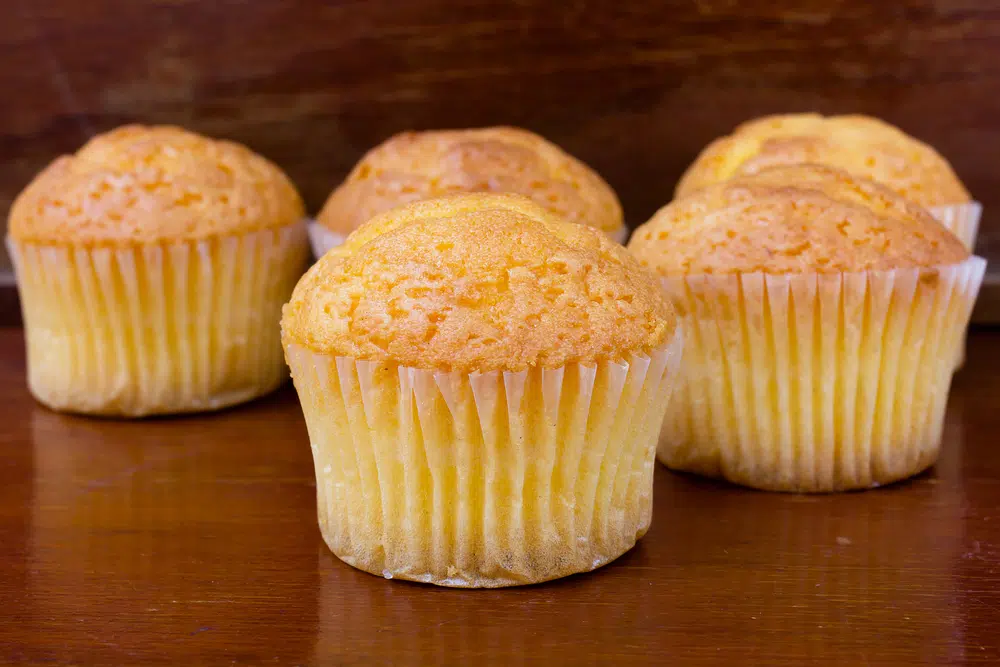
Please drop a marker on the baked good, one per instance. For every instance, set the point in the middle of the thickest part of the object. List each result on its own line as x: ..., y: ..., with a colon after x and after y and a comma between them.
x: 422, y: 165
x: 483, y: 383
x: 152, y: 266
x: 862, y: 145
x: 821, y: 314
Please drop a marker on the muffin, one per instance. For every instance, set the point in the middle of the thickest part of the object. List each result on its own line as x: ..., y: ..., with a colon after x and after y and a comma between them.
x: 862, y: 145
x: 422, y: 165
x: 483, y: 383
x: 821, y: 312
x: 152, y: 266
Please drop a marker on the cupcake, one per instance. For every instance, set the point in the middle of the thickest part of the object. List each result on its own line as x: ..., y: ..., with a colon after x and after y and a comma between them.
x: 152, y: 266
x: 862, y: 145
x: 821, y: 312
x: 422, y: 165
x: 483, y: 383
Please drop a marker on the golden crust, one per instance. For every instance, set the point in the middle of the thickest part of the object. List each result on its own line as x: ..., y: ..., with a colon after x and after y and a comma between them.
x: 140, y: 184
x: 859, y: 144
x: 477, y: 282
x: 794, y: 219
x: 421, y: 165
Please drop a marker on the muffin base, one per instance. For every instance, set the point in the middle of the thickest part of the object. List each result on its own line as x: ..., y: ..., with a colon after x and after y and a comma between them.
x: 482, y: 480
x: 157, y: 329
x: 963, y: 221
x: 813, y: 383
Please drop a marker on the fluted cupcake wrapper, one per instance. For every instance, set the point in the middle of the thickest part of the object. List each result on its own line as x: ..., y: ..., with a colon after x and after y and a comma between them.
x: 815, y: 382
x: 619, y: 235
x: 322, y: 239
x: 963, y: 221
x: 483, y: 479
x: 157, y: 328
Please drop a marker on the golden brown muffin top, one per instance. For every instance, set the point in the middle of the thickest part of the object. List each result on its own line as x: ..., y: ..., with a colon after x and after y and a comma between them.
x: 793, y: 219
x: 477, y: 282
x: 859, y: 144
x: 139, y: 184
x: 421, y: 165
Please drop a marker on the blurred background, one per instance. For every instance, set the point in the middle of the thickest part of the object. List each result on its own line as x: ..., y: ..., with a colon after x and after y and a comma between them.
x: 635, y: 89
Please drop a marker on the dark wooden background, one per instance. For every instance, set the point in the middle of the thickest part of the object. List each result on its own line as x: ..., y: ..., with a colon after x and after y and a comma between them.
x: 633, y: 88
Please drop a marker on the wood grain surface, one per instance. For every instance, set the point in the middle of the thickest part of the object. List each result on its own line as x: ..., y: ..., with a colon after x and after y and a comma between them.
x: 636, y: 88
x: 194, y: 541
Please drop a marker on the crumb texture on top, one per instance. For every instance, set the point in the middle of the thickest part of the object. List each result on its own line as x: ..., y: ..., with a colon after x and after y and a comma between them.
x: 859, y: 144
x: 794, y: 219
x: 421, y: 165
x: 477, y: 282
x: 140, y: 184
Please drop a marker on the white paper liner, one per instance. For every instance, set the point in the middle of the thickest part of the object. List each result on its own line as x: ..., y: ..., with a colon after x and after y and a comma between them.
x: 487, y: 479
x: 815, y: 382
x: 962, y: 220
x: 157, y: 328
x: 322, y: 239
x: 619, y: 235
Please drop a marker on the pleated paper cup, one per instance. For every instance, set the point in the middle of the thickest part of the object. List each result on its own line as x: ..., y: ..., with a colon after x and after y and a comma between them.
x: 818, y: 382
x: 483, y: 480
x: 157, y: 328
x: 963, y: 221
x: 619, y: 236
x: 322, y: 239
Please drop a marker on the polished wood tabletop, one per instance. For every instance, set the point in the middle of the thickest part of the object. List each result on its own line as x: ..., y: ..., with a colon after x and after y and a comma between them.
x: 193, y: 540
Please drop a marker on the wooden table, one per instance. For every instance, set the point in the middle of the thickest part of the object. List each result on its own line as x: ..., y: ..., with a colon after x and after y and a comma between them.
x: 194, y: 541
